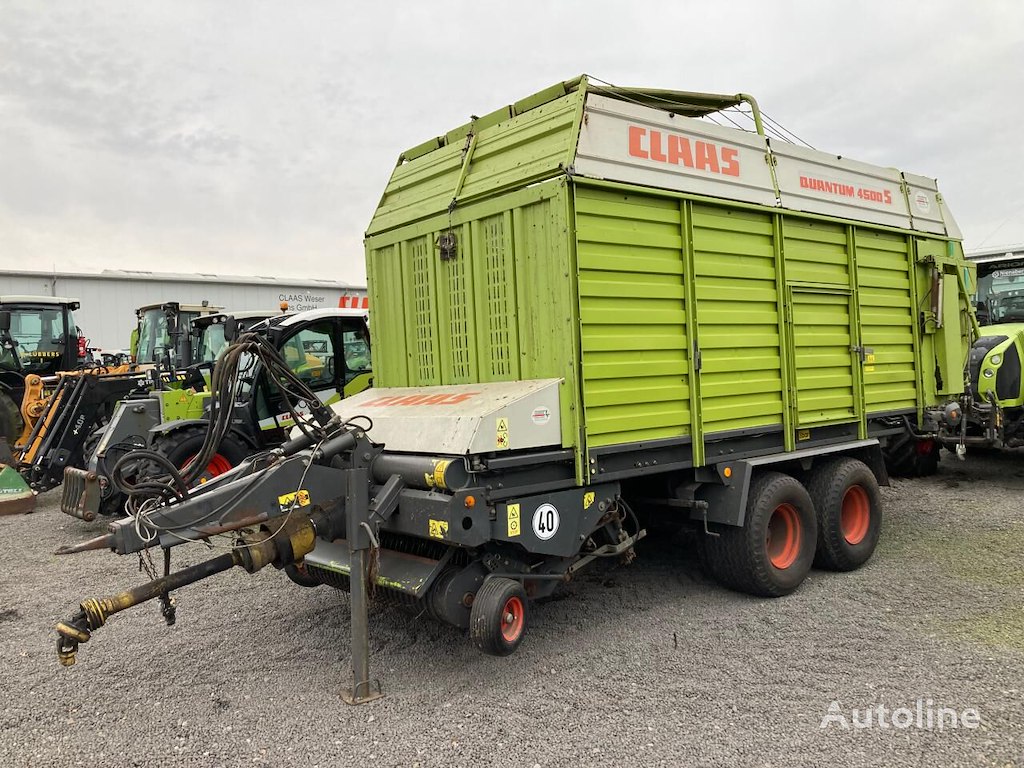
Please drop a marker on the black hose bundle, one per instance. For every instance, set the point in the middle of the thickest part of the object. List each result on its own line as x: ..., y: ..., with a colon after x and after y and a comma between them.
x: 149, y: 479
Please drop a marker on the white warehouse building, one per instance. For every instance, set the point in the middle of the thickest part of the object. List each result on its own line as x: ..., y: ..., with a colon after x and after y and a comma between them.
x: 109, y: 298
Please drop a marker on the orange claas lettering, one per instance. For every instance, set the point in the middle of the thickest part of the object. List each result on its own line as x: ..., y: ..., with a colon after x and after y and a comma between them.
x: 674, y: 149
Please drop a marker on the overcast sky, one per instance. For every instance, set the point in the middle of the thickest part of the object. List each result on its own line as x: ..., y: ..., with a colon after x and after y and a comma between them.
x: 251, y: 137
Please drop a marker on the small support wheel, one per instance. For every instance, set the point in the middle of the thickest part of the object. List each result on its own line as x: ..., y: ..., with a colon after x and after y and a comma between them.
x: 497, y: 621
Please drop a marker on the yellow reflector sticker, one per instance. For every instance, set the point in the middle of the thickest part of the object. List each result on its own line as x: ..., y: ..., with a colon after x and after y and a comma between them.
x: 513, y: 520
x: 300, y: 499
x: 437, y: 528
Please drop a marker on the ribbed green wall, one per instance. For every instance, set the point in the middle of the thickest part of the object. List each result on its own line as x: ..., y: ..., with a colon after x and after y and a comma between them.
x: 738, y: 319
x: 633, y: 334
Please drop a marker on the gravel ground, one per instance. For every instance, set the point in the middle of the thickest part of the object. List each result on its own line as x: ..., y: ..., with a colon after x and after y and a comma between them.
x: 645, y: 664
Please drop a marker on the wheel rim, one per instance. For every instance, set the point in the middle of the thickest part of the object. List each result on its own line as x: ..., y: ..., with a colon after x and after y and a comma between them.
x: 512, y: 615
x: 783, y: 539
x: 218, y: 465
x: 855, y: 516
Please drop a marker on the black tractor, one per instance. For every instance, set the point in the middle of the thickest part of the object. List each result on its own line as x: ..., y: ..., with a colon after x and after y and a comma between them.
x: 38, y: 336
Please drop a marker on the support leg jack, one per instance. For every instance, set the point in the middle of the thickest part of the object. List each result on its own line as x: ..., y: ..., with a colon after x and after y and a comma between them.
x: 357, y: 504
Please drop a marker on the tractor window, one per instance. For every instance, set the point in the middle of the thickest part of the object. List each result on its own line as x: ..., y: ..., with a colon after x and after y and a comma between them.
x: 41, y: 339
x: 153, y: 336
x: 357, y: 352
x: 310, y: 355
x: 211, y: 343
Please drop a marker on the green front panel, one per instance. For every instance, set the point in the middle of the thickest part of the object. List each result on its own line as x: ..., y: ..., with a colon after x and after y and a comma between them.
x: 633, y: 332
x: 822, y: 357
x: 737, y: 314
x: 511, y: 153
x: 886, y: 321
x: 502, y: 309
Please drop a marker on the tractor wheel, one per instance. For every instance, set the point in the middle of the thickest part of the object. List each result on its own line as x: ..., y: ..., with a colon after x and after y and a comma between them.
x: 497, y: 621
x: 182, y: 444
x: 849, y: 509
x: 771, y: 553
x: 11, y: 422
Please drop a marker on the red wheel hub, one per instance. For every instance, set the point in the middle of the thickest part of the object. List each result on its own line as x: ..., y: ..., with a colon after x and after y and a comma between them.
x: 784, y: 534
x: 218, y: 465
x: 512, y: 616
x: 855, y: 516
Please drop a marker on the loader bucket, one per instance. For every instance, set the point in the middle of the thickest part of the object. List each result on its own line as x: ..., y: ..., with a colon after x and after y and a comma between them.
x: 15, y: 495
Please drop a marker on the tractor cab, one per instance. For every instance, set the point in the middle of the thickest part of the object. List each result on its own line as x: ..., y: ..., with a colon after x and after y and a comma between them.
x: 38, y: 335
x: 211, y: 333
x: 328, y: 349
x: 164, y: 332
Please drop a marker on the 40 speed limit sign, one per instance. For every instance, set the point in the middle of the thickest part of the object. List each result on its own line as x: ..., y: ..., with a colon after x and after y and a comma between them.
x: 545, y: 521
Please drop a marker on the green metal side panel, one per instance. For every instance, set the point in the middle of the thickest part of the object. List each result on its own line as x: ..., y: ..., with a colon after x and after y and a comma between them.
x: 523, y: 149
x: 738, y: 319
x: 816, y: 252
x: 822, y: 356
x: 822, y: 333
x: 887, y: 321
x: 502, y: 310
x: 633, y: 331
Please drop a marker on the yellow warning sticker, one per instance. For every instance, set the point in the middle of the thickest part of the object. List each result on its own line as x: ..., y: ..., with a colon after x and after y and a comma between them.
x: 588, y: 499
x: 291, y: 500
x: 513, y: 520
x: 437, y: 529
x: 501, y: 437
x: 803, y: 434
x: 439, y: 469
x: 869, y: 362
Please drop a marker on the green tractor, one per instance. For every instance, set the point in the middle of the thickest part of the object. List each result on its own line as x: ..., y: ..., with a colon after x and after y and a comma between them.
x: 328, y: 349
x: 995, y: 409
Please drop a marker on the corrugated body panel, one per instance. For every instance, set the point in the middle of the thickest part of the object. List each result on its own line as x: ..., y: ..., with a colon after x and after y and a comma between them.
x: 823, y: 357
x: 501, y: 310
x: 420, y: 297
x: 816, y: 252
x: 499, y: 341
x: 455, y: 310
x: 389, y: 361
x: 886, y: 321
x: 526, y: 148
x: 633, y: 335
x: 737, y: 315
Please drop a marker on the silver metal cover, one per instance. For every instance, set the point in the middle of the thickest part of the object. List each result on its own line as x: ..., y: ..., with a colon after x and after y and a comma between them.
x: 461, y: 419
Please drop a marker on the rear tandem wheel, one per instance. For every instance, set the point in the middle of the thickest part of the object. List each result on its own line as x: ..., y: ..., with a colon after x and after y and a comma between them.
x: 771, y: 553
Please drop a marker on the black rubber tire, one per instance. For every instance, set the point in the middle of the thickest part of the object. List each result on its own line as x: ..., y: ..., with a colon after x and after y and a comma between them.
x: 11, y: 422
x: 182, y: 444
x: 739, y: 557
x: 488, y: 614
x: 828, y: 486
x: 299, y: 575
